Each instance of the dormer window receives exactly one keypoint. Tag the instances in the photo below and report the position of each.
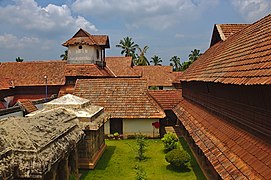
(80, 47)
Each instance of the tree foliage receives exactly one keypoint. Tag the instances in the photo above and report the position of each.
(65, 55)
(170, 141)
(128, 47)
(193, 56)
(177, 157)
(156, 60)
(175, 63)
(18, 59)
(141, 59)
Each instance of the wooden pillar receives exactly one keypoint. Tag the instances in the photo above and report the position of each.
(63, 169)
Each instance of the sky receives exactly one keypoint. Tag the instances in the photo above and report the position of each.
(36, 29)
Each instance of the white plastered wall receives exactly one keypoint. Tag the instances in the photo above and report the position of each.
(144, 126)
(87, 55)
(134, 126)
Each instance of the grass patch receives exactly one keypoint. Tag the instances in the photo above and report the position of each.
(119, 162)
(194, 164)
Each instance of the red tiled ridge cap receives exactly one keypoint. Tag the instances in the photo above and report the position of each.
(243, 58)
(233, 152)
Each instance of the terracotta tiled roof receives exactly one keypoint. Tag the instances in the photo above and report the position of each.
(157, 75)
(28, 106)
(83, 37)
(121, 97)
(222, 31)
(33, 73)
(121, 67)
(167, 99)
(5, 83)
(226, 30)
(244, 58)
(177, 79)
(234, 153)
(87, 70)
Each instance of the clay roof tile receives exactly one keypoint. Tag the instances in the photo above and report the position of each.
(243, 58)
(121, 97)
(240, 155)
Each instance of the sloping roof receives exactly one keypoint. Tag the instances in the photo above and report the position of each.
(31, 97)
(37, 142)
(167, 99)
(5, 83)
(33, 73)
(222, 31)
(87, 70)
(177, 79)
(121, 67)
(234, 153)
(226, 30)
(28, 106)
(91, 117)
(121, 97)
(83, 37)
(244, 58)
(157, 75)
(68, 100)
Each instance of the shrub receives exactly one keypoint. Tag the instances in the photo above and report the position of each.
(170, 141)
(140, 173)
(177, 157)
(116, 134)
(141, 147)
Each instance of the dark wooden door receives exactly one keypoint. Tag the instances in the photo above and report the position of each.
(116, 125)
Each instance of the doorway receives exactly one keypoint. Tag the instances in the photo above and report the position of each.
(116, 125)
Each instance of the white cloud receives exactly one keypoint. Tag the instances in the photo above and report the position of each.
(252, 10)
(158, 14)
(11, 41)
(27, 15)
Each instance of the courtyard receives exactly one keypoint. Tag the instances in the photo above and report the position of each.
(119, 162)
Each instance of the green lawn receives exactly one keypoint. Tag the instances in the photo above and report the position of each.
(118, 162)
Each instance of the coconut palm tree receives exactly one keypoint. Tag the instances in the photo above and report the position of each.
(141, 58)
(156, 60)
(185, 65)
(194, 55)
(176, 63)
(128, 47)
(18, 59)
(65, 55)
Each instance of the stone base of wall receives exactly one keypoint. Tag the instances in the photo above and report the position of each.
(91, 163)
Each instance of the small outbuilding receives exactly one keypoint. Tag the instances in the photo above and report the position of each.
(54, 142)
